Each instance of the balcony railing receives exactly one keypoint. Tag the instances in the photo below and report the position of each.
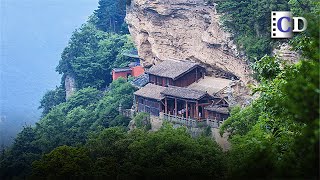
(192, 122)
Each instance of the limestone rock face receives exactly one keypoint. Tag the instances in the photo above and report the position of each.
(70, 86)
(185, 30)
(285, 52)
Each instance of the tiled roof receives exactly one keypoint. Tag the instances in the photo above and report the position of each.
(131, 53)
(185, 93)
(210, 84)
(218, 109)
(172, 68)
(122, 69)
(141, 81)
(151, 91)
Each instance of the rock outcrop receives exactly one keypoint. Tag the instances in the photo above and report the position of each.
(285, 52)
(70, 86)
(185, 30)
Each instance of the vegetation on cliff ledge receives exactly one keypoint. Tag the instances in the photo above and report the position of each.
(275, 137)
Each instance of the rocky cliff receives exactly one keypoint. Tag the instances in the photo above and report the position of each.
(284, 51)
(70, 86)
(184, 29)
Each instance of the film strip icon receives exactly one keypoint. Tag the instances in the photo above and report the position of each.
(281, 24)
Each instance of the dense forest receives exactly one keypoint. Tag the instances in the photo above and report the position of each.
(275, 137)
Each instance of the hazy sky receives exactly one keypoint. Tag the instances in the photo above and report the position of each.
(33, 35)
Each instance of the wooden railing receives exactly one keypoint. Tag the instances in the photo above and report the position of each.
(181, 120)
(189, 122)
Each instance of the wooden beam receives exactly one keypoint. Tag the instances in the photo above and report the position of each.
(172, 97)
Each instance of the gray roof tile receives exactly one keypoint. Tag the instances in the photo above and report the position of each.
(185, 93)
(172, 68)
(151, 91)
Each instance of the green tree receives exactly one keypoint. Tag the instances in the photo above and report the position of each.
(51, 99)
(110, 16)
(249, 21)
(283, 140)
(91, 54)
(64, 161)
(18, 158)
(84, 97)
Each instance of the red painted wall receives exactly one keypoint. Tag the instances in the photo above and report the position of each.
(116, 75)
(137, 71)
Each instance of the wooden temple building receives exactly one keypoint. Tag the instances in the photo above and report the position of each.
(134, 69)
(169, 92)
(175, 73)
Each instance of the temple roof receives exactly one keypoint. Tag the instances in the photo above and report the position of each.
(151, 91)
(185, 93)
(211, 85)
(141, 80)
(122, 69)
(131, 53)
(172, 68)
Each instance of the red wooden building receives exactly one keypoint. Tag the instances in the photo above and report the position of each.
(167, 93)
(126, 72)
(175, 73)
(149, 99)
(185, 102)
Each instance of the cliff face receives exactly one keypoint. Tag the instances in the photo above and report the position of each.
(70, 86)
(184, 29)
(285, 52)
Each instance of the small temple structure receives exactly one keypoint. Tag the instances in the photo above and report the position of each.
(180, 91)
(134, 69)
(175, 73)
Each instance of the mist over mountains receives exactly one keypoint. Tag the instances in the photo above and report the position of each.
(33, 35)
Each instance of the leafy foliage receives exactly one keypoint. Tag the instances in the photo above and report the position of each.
(282, 138)
(69, 123)
(110, 16)
(142, 120)
(64, 161)
(51, 99)
(276, 137)
(91, 54)
(249, 21)
(240, 121)
(139, 154)
(267, 68)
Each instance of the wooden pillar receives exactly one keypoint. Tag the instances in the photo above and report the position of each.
(166, 105)
(187, 109)
(175, 106)
(197, 110)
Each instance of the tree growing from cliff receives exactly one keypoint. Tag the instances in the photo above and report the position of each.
(51, 99)
(110, 16)
(91, 54)
(279, 132)
(249, 21)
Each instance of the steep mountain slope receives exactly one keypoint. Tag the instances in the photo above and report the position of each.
(185, 29)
